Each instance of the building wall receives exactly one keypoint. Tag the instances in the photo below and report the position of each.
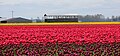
(62, 20)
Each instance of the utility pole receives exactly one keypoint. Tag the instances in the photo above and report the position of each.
(12, 14)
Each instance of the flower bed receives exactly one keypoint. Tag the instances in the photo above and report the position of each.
(59, 40)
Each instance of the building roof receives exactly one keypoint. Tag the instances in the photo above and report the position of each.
(19, 19)
(1, 19)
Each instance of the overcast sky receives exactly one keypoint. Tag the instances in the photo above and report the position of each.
(36, 8)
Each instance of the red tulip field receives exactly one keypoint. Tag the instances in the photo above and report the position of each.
(60, 40)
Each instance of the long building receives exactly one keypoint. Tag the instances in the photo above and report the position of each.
(61, 18)
(16, 20)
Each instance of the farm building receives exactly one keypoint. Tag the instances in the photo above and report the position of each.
(16, 20)
(61, 18)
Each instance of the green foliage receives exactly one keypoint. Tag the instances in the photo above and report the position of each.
(14, 51)
(82, 54)
(103, 53)
(93, 53)
(3, 53)
(21, 45)
(56, 54)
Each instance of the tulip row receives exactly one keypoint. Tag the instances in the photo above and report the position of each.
(61, 49)
(75, 35)
(60, 33)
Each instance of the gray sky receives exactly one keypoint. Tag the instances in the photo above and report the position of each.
(36, 8)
